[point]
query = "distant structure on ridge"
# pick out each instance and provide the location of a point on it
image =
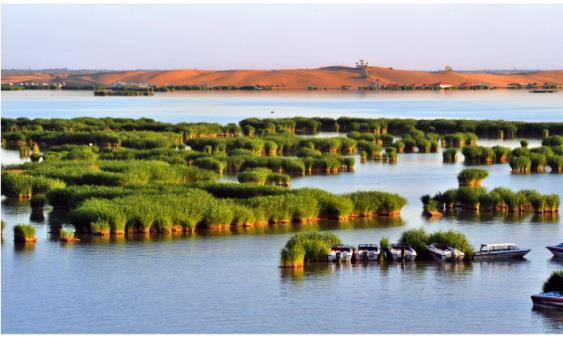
(362, 66)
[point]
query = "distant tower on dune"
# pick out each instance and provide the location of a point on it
(362, 66)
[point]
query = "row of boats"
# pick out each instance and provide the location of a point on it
(440, 252)
(492, 251)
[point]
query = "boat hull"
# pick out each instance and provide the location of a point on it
(340, 257)
(548, 301)
(367, 256)
(501, 255)
(556, 251)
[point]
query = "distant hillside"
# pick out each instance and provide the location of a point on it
(329, 77)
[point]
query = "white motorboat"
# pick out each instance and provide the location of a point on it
(341, 253)
(442, 252)
(499, 251)
(367, 252)
(399, 252)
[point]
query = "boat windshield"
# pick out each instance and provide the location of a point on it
(498, 247)
(342, 249)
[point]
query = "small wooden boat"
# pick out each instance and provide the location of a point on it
(399, 252)
(445, 253)
(341, 253)
(552, 299)
(367, 252)
(557, 251)
(499, 251)
(542, 91)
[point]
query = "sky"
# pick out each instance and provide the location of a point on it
(423, 37)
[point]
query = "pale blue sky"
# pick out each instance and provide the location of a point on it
(282, 36)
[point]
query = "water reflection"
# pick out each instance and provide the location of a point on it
(37, 215)
(24, 247)
(498, 217)
(550, 316)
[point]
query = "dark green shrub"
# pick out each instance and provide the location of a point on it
(554, 282)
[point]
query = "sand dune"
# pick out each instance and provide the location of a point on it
(328, 77)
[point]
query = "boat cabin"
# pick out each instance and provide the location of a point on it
(368, 247)
(498, 247)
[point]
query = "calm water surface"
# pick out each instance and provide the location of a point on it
(230, 282)
(227, 107)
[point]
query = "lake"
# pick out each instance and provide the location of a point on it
(229, 282)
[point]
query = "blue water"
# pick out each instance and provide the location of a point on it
(230, 281)
(230, 107)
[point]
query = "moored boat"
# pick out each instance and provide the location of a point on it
(500, 251)
(342, 253)
(399, 252)
(557, 251)
(552, 299)
(367, 252)
(445, 253)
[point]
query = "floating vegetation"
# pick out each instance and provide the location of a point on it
(449, 155)
(264, 176)
(67, 236)
(498, 199)
(307, 247)
(471, 177)
(24, 233)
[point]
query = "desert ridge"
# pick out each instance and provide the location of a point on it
(327, 77)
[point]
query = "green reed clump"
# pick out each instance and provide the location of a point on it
(449, 155)
(553, 141)
(24, 233)
(554, 282)
(419, 239)
(72, 196)
(210, 164)
(471, 177)
(286, 207)
(453, 239)
(384, 243)
(307, 247)
(538, 162)
(264, 176)
(99, 217)
(475, 155)
(330, 205)
(502, 154)
(498, 199)
(242, 191)
(66, 235)
(38, 201)
(375, 203)
(556, 163)
(459, 139)
(521, 164)
(21, 185)
(391, 154)
(469, 197)
(430, 205)
(255, 176)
